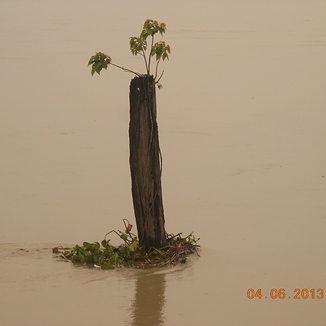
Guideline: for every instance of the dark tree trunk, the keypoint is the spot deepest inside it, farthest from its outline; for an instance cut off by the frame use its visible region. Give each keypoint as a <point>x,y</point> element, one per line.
<point>145,163</point>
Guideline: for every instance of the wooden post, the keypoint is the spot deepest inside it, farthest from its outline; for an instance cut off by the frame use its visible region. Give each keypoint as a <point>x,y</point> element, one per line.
<point>145,163</point>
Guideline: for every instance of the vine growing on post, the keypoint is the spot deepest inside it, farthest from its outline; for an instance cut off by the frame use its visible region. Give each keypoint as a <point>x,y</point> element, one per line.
<point>139,46</point>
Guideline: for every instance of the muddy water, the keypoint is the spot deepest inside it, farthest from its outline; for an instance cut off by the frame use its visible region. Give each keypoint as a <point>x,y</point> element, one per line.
<point>242,131</point>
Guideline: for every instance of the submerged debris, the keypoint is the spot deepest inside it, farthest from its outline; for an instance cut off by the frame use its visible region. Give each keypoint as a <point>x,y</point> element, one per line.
<point>130,253</point>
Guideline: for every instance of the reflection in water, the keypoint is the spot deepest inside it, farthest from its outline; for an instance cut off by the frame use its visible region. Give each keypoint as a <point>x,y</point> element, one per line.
<point>149,300</point>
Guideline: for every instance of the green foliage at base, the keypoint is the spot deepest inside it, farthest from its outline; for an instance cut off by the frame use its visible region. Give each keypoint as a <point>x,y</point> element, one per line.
<point>130,253</point>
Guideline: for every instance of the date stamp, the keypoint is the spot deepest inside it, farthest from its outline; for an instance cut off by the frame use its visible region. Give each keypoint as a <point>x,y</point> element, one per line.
<point>282,294</point>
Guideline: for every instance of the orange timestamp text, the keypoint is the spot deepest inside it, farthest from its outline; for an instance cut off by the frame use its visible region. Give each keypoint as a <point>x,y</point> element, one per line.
<point>282,294</point>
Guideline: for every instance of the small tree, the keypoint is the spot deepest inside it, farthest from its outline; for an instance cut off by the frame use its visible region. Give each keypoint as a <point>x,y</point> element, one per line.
<point>145,155</point>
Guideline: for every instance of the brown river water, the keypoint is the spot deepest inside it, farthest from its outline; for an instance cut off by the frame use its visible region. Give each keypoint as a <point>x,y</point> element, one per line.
<point>242,130</point>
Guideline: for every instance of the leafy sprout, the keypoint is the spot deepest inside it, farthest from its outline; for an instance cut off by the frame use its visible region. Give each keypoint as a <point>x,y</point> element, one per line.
<point>139,46</point>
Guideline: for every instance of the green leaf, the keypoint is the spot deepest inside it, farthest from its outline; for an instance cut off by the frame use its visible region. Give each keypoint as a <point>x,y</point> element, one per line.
<point>124,237</point>
<point>77,257</point>
<point>106,244</point>
<point>151,27</point>
<point>160,50</point>
<point>133,246</point>
<point>99,61</point>
<point>115,258</point>
<point>137,45</point>
<point>107,266</point>
<point>91,60</point>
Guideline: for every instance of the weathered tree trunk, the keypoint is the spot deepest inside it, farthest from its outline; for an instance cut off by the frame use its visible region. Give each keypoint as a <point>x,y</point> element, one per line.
<point>145,163</point>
